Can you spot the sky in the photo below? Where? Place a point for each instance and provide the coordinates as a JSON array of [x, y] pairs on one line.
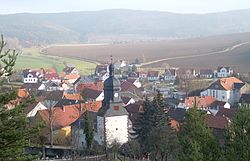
[[178, 6]]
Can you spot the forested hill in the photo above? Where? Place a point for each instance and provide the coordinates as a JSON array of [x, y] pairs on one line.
[[120, 24]]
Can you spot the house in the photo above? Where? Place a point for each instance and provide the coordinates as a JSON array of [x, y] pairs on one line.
[[229, 113], [170, 74], [127, 86], [52, 77], [127, 100], [133, 75], [50, 86], [153, 76], [120, 64], [32, 87], [70, 70], [245, 99], [34, 108], [96, 86], [103, 76], [225, 89], [207, 103], [77, 128], [74, 96], [22, 93], [30, 76], [63, 117], [133, 111], [218, 124], [100, 69], [89, 94], [71, 78], [177, 117], [224, 72], [50, 98], [206, 73], [143, 75], [186, 73], [135, 82]]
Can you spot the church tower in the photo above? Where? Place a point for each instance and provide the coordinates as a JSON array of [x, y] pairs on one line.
[[112, 118]]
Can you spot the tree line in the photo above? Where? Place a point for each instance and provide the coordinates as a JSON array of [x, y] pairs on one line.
[[155, 139]]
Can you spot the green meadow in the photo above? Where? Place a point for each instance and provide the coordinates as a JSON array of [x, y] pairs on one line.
[[32, 58]]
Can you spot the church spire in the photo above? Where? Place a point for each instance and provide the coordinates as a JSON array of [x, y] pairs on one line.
[[111, 67]]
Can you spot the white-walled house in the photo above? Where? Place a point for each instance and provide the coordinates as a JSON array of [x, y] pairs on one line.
[[170, 74], [206, 103], [225, 89], [135, 82], [153, 76], [30, 76], [224, 72], [39, 106]]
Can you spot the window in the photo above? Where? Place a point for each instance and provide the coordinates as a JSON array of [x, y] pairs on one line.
[[116, 108]]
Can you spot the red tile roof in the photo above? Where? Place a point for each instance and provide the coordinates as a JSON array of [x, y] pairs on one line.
[[71, 76], [201, 101], [89, 93], [96, 86], [76, 96], [66, 115], [22, 93], [51, 76], [61, 117], [229, 113], [216, 122], [153, 74], [125, 86], [228, 83]]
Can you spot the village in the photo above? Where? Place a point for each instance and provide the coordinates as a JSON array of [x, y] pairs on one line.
[[113, 96]]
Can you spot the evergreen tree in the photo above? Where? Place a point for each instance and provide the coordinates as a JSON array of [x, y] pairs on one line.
[[143, 126], [154, 133], [15, 131], [88, 132], [196, 139], [237, 136], [160, 117], [163, 139]]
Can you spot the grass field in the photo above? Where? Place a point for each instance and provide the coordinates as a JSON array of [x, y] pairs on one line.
[[155, 50], [31, 58]]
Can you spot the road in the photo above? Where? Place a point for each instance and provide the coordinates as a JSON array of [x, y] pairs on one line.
[[195, 55]]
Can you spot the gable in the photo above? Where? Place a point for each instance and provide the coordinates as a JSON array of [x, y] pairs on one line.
[[37, 108]]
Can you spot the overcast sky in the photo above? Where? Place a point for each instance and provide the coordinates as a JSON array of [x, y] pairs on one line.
[[179, 6]]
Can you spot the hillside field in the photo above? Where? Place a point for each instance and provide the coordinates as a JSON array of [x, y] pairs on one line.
[[176, 50], [31, 58]]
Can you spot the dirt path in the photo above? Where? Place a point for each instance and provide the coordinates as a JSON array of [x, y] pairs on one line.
[[196, 55]]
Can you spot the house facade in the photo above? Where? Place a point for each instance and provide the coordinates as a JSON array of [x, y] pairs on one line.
[[30, 76], [224, 72], [153, 76], [170, 74], [225, 89]]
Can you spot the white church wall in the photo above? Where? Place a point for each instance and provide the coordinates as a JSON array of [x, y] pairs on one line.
[[117, 129]]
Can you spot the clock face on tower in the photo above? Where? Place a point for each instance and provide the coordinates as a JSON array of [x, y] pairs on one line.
[[116, 95]]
